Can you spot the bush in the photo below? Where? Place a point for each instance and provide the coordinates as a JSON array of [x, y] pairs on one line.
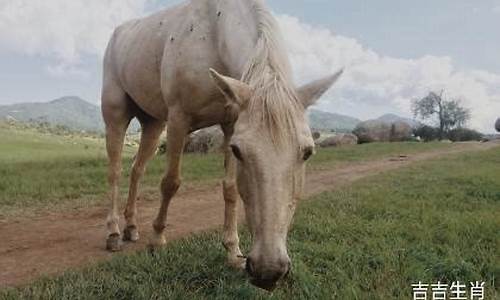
[[464, 134], [427, 133], [316, 135]]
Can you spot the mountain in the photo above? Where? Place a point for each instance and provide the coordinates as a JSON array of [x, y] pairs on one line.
[[321, 120], [390, 118], [72, 112], [78, 114]]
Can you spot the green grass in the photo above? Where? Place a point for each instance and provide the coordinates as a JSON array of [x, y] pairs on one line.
[[41, 170], [329, 157], [436, 220]]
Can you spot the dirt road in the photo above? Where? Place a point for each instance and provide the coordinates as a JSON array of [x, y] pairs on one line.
[[51, 243]]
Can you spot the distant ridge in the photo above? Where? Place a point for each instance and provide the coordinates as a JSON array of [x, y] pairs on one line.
[[327, 121], [72, 112], [78, 114]]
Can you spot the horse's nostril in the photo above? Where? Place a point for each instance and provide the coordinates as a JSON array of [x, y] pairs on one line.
[[267, 285]]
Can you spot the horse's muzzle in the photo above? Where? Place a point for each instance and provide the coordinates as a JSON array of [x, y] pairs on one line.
[[267, 279]]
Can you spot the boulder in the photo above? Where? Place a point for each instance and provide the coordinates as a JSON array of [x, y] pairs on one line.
[[338, 140], [400, 131], [205, 140], [380, 131]]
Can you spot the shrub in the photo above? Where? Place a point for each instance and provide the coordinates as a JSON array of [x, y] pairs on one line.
[[316, 135], [464, 134], [427, 133]]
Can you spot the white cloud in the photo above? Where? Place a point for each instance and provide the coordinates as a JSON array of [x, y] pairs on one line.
[[62, 30], [63, 33], [374, 84]]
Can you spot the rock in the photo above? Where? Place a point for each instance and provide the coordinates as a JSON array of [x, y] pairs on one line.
[[338, 140], [380, 131], [205, 140], [400, 131]]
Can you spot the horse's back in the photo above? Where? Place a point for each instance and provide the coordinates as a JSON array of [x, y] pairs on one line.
[[134, 55], [162, 60]]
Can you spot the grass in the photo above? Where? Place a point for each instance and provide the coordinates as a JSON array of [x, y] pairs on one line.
[[41, 170], [435, 220], [330, 157]]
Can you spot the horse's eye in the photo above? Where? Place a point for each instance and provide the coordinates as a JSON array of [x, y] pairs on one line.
[[308, 152], [236, 152]]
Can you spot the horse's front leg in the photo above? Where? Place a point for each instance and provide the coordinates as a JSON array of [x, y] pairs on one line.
[[231, 240], [177, 130]]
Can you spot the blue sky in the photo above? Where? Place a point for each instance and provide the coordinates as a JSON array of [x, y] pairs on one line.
[[468, 31], [393, 51]]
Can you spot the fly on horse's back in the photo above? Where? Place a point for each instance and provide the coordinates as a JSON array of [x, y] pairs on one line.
[[207, 63]]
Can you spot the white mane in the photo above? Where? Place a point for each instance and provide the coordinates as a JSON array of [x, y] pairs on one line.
[[274, 104]]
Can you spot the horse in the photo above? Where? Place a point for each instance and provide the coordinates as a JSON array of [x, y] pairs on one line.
[[199, 64], [497, 125]]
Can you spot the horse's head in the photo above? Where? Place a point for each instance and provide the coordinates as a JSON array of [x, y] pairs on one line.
[[270, 173]]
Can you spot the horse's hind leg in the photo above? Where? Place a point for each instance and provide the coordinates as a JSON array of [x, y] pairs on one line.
[[117, 116], [151, 131]]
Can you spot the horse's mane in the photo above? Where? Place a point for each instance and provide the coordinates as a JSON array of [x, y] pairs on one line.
[[274, 105]]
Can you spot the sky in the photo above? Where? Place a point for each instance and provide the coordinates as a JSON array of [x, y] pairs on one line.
[[393, 51]]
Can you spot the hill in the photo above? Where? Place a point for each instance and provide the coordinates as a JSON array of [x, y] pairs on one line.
[[72, 112], [321, 120], [78, 114]]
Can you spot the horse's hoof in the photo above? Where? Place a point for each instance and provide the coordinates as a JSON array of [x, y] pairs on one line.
[[237, 262], [114, 243], [157, 241], [131, 234]]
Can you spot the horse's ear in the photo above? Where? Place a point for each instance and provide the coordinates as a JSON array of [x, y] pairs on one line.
[[234, 90], [310, 93]]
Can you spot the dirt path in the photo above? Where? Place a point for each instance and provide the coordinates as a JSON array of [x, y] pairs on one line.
[[50, 244]]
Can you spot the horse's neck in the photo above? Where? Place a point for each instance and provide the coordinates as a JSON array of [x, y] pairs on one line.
[[245, 23], [238, 34]]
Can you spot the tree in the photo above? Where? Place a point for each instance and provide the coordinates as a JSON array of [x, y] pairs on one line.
[[449, 113]]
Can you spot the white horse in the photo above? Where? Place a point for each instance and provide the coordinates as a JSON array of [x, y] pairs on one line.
[[157, 70]]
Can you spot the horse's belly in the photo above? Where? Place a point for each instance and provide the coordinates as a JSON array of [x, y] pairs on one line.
[[140, 78], [153, 106]]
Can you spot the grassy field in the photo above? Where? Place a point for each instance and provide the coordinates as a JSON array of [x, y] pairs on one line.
[[436, 220], [42, 170]]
